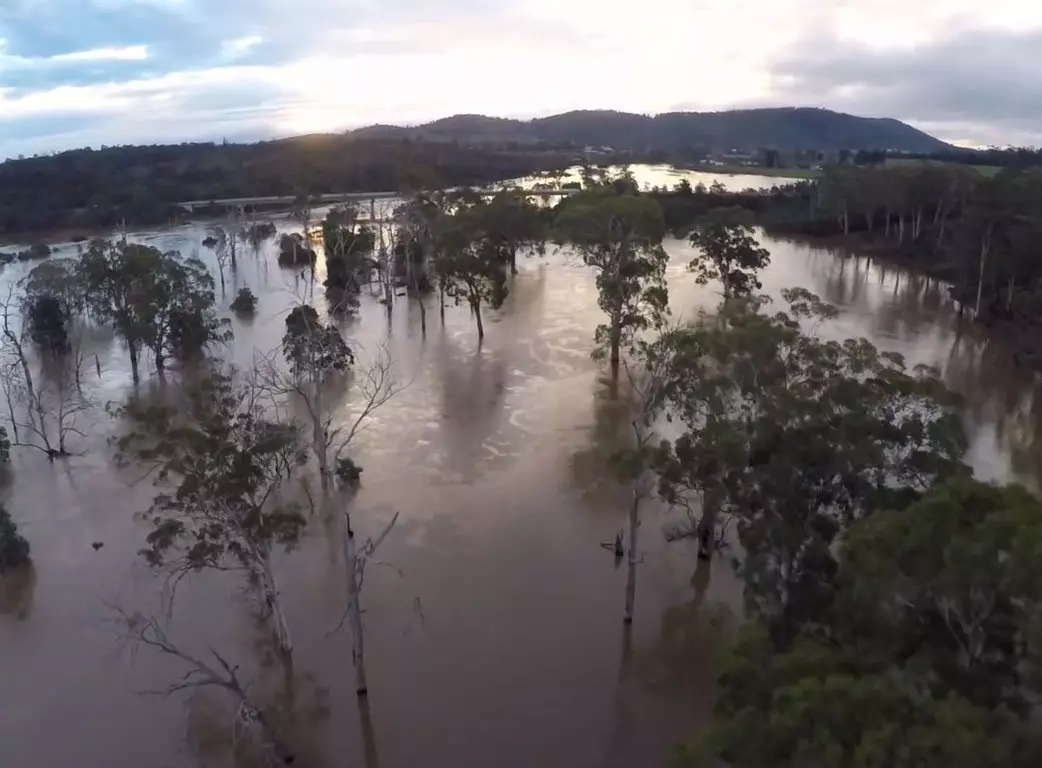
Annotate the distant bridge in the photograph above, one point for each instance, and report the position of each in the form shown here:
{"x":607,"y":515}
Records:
{"x":340,"y":197}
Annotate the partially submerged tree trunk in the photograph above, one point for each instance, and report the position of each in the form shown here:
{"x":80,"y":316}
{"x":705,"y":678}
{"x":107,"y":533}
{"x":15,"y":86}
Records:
{"x":984,"y":248}
{"x":201,"y":674}
{"x":354,"y":609}
{"x":631,"y":559}
{"x":615,"y":344}
{"x":475,"y":306}
{"x":134,"y":370}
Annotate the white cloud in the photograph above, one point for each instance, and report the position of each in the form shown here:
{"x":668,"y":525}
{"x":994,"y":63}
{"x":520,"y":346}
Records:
{"x":233,"y":49}
{"x":125,"y":53}
{"x":332,"y":64}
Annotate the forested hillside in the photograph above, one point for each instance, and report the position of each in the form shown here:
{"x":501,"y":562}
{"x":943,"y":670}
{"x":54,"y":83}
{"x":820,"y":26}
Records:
{"x":788,"y":128}
{"x":98,"y":188}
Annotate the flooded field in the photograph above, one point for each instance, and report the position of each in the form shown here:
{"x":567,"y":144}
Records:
{"x":494,"y":634}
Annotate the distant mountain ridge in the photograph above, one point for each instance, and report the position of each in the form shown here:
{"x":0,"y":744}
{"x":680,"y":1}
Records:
{"x":782,"y":128}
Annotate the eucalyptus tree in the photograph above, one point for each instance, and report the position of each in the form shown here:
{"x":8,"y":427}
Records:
{"x":513,"y":222}
{"x":728,"y":252}
{"x":472,"y":264}
{"x":221,"y":245}
{"x":153,"y":300}
{"x":648,"y":377}
{"x":796,"y":438}
{"x":817,"y":703}
{"x":956,"y":581}
{"x":211,"y":671}
{"x":221,"y":460}
{"x":349,"y":248}
{"x":319,"y":367}
{"x":619,"y":235}
{"x":42,"y":409}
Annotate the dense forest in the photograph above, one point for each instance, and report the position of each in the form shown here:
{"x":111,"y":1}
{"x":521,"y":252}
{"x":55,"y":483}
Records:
{"x":787,"y":128}
{"x":88,"y":188}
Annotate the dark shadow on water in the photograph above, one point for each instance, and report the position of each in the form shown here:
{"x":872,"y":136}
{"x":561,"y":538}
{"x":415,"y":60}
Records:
{"x":690,"y":635}
{"x":473,"y":395}
{"x":606,"y":436}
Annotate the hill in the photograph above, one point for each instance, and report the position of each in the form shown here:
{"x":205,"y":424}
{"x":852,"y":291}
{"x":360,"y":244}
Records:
{"x":785,"y":128}
{"x":88,"y":188}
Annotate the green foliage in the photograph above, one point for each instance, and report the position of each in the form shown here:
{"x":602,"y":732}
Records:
{"x":245,"y":302}
{"x":620,"y":236}
{"x":14,"y":549}
{"x":225,"y":461}
{"x":815,"y":705}
{"x":728,"y":252}
{"x":61,"y":279}
{"x":349,"y":246}
{"x":48,"y":325}
{"x":294,"y":252}
{"x":312,"y":347}
{"x":511,"y":221}
{"x":796,"y":438}
{"x":348,"y":472}
{"x":472,"y":262}
{"x":928,"y":657}
{"x":953,"y":582}
{"x":159,"y":301}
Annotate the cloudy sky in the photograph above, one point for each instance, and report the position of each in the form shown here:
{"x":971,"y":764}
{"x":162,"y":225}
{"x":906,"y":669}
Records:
{"x":91,"y":72}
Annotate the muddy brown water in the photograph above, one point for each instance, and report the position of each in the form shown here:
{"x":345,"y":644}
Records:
{"x":494,"y":632}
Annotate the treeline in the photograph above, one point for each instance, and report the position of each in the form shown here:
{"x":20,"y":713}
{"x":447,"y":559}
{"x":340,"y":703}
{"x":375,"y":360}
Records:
{"x":1011,"y":157}
{"x":140,"y":184}
{"x":975,"y":231}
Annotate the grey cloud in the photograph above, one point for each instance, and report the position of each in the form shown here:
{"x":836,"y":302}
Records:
{"x":980,"y":85}
{"x":204,"y":111}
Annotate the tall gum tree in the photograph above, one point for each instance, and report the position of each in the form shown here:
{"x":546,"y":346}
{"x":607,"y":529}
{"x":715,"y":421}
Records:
{"x":795,"y":438}
{"x":221,"y":460}
{"x":619,"y":234}
{"x":336,"y":398}
{"x":728,"y":252}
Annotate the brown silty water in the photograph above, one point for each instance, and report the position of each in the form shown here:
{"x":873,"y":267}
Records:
{"x":494,"y":633}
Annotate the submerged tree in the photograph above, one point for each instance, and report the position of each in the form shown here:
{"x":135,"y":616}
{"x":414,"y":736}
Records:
{"x":512,"y":222}
{"x":728,"y":252}
{"x":320,"y":365}
{"x":156,"y":301}
{"x":202,"y":672}
{"x":472,"y":266}
{"x":14,"y":549}
{"x":349,"y":261}
{"x":225,"y":461}
{"x":796,"y":438}
{"x":245,"y":302}
{"x":620,"y":236}
{"x":648,"y":378}
{"x":221,"y":245}
{"x":42,"y":405}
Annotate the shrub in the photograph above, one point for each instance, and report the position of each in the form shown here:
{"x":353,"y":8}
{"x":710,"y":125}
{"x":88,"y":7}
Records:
{"x":293,"y":252}
{"x":5,"y":446}
{"x":348,"y":472}
{"x":245,"y":302}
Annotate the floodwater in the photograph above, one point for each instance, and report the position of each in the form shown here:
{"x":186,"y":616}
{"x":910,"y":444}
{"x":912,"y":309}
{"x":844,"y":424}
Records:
{"x":494,"y":633}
